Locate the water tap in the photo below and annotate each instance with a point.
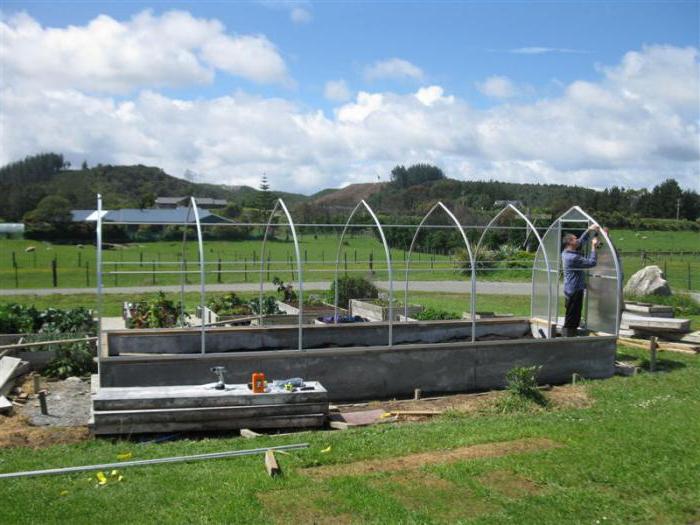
(219, 371)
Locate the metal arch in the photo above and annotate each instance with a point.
(452, 217)
(280, 204)
(192, 208)
(520, 214)
(388, 261)
(98, 260)
(606, 238)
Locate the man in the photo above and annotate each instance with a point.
(574, 276)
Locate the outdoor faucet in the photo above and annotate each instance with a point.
(219, 371)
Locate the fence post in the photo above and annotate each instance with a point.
(54, 272)
(153, 272)
(690, 284)
(16, 277)
(14, 260)
(345, 255)
(245, 269)
(355, 256)
(87, 273)
(80, 259)
(141, 259)
(116, 277)
(218, 271)
(371, 262)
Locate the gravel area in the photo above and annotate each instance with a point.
(68, 402)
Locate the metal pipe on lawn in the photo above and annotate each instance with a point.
(202, 281)
(146, 462)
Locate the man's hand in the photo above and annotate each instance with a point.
(594, 243)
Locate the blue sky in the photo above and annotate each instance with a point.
(486, 56)
(456, 43)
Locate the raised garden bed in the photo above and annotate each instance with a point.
(378, 310)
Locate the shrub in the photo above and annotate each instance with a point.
(229, 304)
(269, 305)
(350, 287)
(71, 360)
(287, 290)
(433, 314)
(19, 319)
(159, 312)
(522, 389)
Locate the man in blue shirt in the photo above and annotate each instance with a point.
(574, 276)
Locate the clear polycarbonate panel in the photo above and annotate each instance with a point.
(602, 310)
(544, 290)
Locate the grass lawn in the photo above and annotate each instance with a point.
(630, 457)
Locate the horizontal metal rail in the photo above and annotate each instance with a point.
(326, 225)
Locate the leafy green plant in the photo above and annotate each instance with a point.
(434, 314)
(289, 296)
(71, 360)
(159, 312)
(351, 287)
(522, 390)
(19, 319)
(229, 304)
(269, 305)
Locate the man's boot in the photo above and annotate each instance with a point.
(569, 332)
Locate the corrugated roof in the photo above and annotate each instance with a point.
(150, 216)
(202, 201)
(169, 200)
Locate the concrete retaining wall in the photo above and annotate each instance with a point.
(227, 339)
(379, 372)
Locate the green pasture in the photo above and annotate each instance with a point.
(28, 264)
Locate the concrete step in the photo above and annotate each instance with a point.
(662, 324)
(199, 396)
(110, 417)
(271, 422)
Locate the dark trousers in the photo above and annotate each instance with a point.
(574, 305)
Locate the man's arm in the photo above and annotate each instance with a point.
(580, 262)
(585, 235)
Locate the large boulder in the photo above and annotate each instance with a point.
(648, 281)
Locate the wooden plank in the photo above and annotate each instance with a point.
(271, 465)
(44, 343)
(415, 412)
(306, 421)
(206, 413)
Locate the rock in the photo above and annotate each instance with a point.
(73, 379)
(648, 281)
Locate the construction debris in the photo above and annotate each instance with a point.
(10, 369)
(642, 321)
(271, 465)
(5, 405)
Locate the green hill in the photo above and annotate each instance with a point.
(23, 184)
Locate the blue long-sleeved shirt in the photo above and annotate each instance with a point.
(574, 263)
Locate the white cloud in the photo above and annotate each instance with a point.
(299, 15)
(111, 56)
(538, 50)
(498, 87)
(634, 126)
(393, 68)
(337, 91)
